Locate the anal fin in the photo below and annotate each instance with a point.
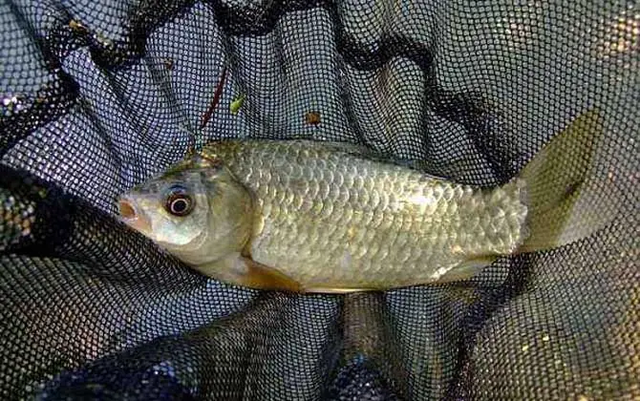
(467, 269)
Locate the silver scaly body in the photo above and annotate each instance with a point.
(329, 217)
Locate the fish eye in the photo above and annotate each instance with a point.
(178, 201)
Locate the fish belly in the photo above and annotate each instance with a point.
(330, 218)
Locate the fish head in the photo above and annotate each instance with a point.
(196, 210)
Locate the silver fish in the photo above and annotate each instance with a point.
(331, 217)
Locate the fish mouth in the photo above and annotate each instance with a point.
(132, 217)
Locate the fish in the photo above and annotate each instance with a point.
(332, 217)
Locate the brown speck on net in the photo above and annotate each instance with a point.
(168, 63)
(77, 26)
(312, 118)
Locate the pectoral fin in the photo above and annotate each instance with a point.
(264, 277)
(243, 271)
(467, 269)
(328, 290)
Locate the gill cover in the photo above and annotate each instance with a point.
(229, 214)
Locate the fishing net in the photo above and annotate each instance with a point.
(99, 96)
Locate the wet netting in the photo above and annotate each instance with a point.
(99, 96)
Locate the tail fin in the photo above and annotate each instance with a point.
(563, 208)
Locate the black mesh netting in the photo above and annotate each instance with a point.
(98, 96)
